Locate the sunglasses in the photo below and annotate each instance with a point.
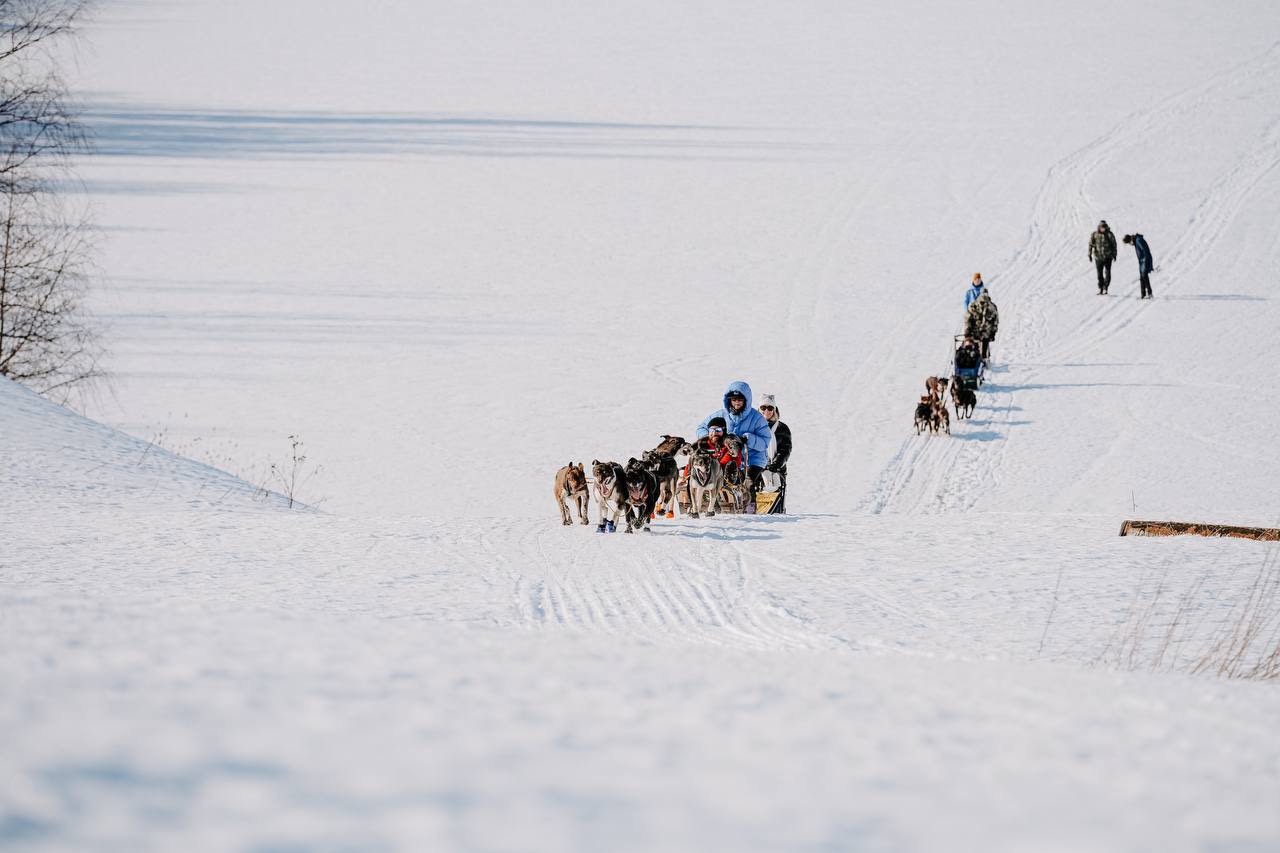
(767, 408)
(716, 431)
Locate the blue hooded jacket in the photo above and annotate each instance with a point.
(750, 424)
(971, 295)
(1144, 253)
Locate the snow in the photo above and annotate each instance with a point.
(453, 248)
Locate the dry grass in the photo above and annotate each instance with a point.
(1205, 628)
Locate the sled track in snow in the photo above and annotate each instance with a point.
(932, 474)
(681, 590)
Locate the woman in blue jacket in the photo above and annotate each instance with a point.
(745, 421)
(975, 290)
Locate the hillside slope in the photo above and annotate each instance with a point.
(59, 462)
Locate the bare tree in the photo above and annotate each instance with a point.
(46, 339)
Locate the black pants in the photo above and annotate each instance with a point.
(986, 348)
(1104, 273)
(1145, 282)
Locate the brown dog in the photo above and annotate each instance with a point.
(938, 416)
(571, 483)
(936, 387)
(670, 446)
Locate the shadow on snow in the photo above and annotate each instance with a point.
(134, 131)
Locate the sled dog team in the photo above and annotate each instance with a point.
(981, 322)
(736, 444)
(644, 487)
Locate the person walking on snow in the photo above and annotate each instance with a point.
(976, 289)
(1102, 251)
(1145, 264)
(779, 448)
(744, 421)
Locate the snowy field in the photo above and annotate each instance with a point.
(452, 247)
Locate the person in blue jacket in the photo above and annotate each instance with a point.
(747, 422)
(1145, 264)
(975, 290)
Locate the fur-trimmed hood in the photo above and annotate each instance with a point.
(750, 424)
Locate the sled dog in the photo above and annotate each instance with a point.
(611, 494)
(939, 419)
(706, 477)
(667, 473)
(964, 400)
(642, 492)
(670, 446)
(924, 414)
(571, 484)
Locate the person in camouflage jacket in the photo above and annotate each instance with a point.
(1102, 251)
(982, 322)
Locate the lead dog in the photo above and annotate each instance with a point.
(939, 418)
(706, 477)
(964, 400)
(642, 492)
(924, 414)
(611, 494)
(936, 387)
(571, 484)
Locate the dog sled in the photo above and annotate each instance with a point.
(968, 367)
(736, 498)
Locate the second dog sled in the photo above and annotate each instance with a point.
(968, 366)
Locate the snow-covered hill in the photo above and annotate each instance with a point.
(490, 241)
(187, 676)
(57, 463)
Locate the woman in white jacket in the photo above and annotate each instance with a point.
(779, 448)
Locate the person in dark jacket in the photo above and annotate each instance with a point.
(1102, 251)
(779, 447)
(1145, 264)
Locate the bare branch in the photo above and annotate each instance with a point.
(46, 337)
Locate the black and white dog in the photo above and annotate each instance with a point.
(611, 494)
(642, 492)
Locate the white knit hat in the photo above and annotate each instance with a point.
(768, 400)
